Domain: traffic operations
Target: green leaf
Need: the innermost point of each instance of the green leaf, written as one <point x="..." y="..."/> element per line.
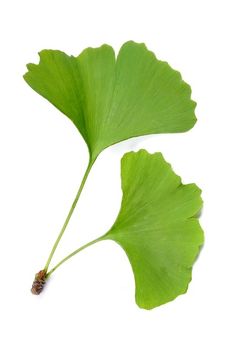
<point x="157" y="226"/>
<point x="109" y="99"/>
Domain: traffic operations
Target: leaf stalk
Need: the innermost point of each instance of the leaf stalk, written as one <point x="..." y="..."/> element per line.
<point x="90" y="164"/>
<point x="73" y="253"/>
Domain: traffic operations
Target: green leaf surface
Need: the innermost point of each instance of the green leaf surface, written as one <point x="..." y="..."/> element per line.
<point x="157" y="226"/>
<point x="109" y="99"/>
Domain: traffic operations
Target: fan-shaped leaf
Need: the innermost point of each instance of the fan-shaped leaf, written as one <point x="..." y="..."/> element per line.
<point x="109" y="99"/>
<point x="157" y="226"/>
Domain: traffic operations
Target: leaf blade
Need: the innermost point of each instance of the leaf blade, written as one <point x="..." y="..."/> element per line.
<point x="110" y="100"/>
<point x="161" y="241"/>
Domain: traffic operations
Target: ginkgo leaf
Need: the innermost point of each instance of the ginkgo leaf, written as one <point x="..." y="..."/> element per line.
<point x="157" y="226"/>
<point x="109" y="99"/>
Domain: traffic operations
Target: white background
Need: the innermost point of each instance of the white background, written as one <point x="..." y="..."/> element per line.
<point x="90" y="300"/>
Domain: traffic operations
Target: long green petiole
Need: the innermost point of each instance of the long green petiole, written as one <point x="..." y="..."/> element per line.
<point x="69" y="215"/>
<point x="72" y="254"/>
<point x="42" y="275"/>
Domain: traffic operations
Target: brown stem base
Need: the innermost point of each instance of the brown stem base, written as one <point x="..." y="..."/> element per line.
<point x="39" y="282"/>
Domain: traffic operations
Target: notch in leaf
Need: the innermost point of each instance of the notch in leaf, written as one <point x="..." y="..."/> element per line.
<point x="109" y="99"/>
